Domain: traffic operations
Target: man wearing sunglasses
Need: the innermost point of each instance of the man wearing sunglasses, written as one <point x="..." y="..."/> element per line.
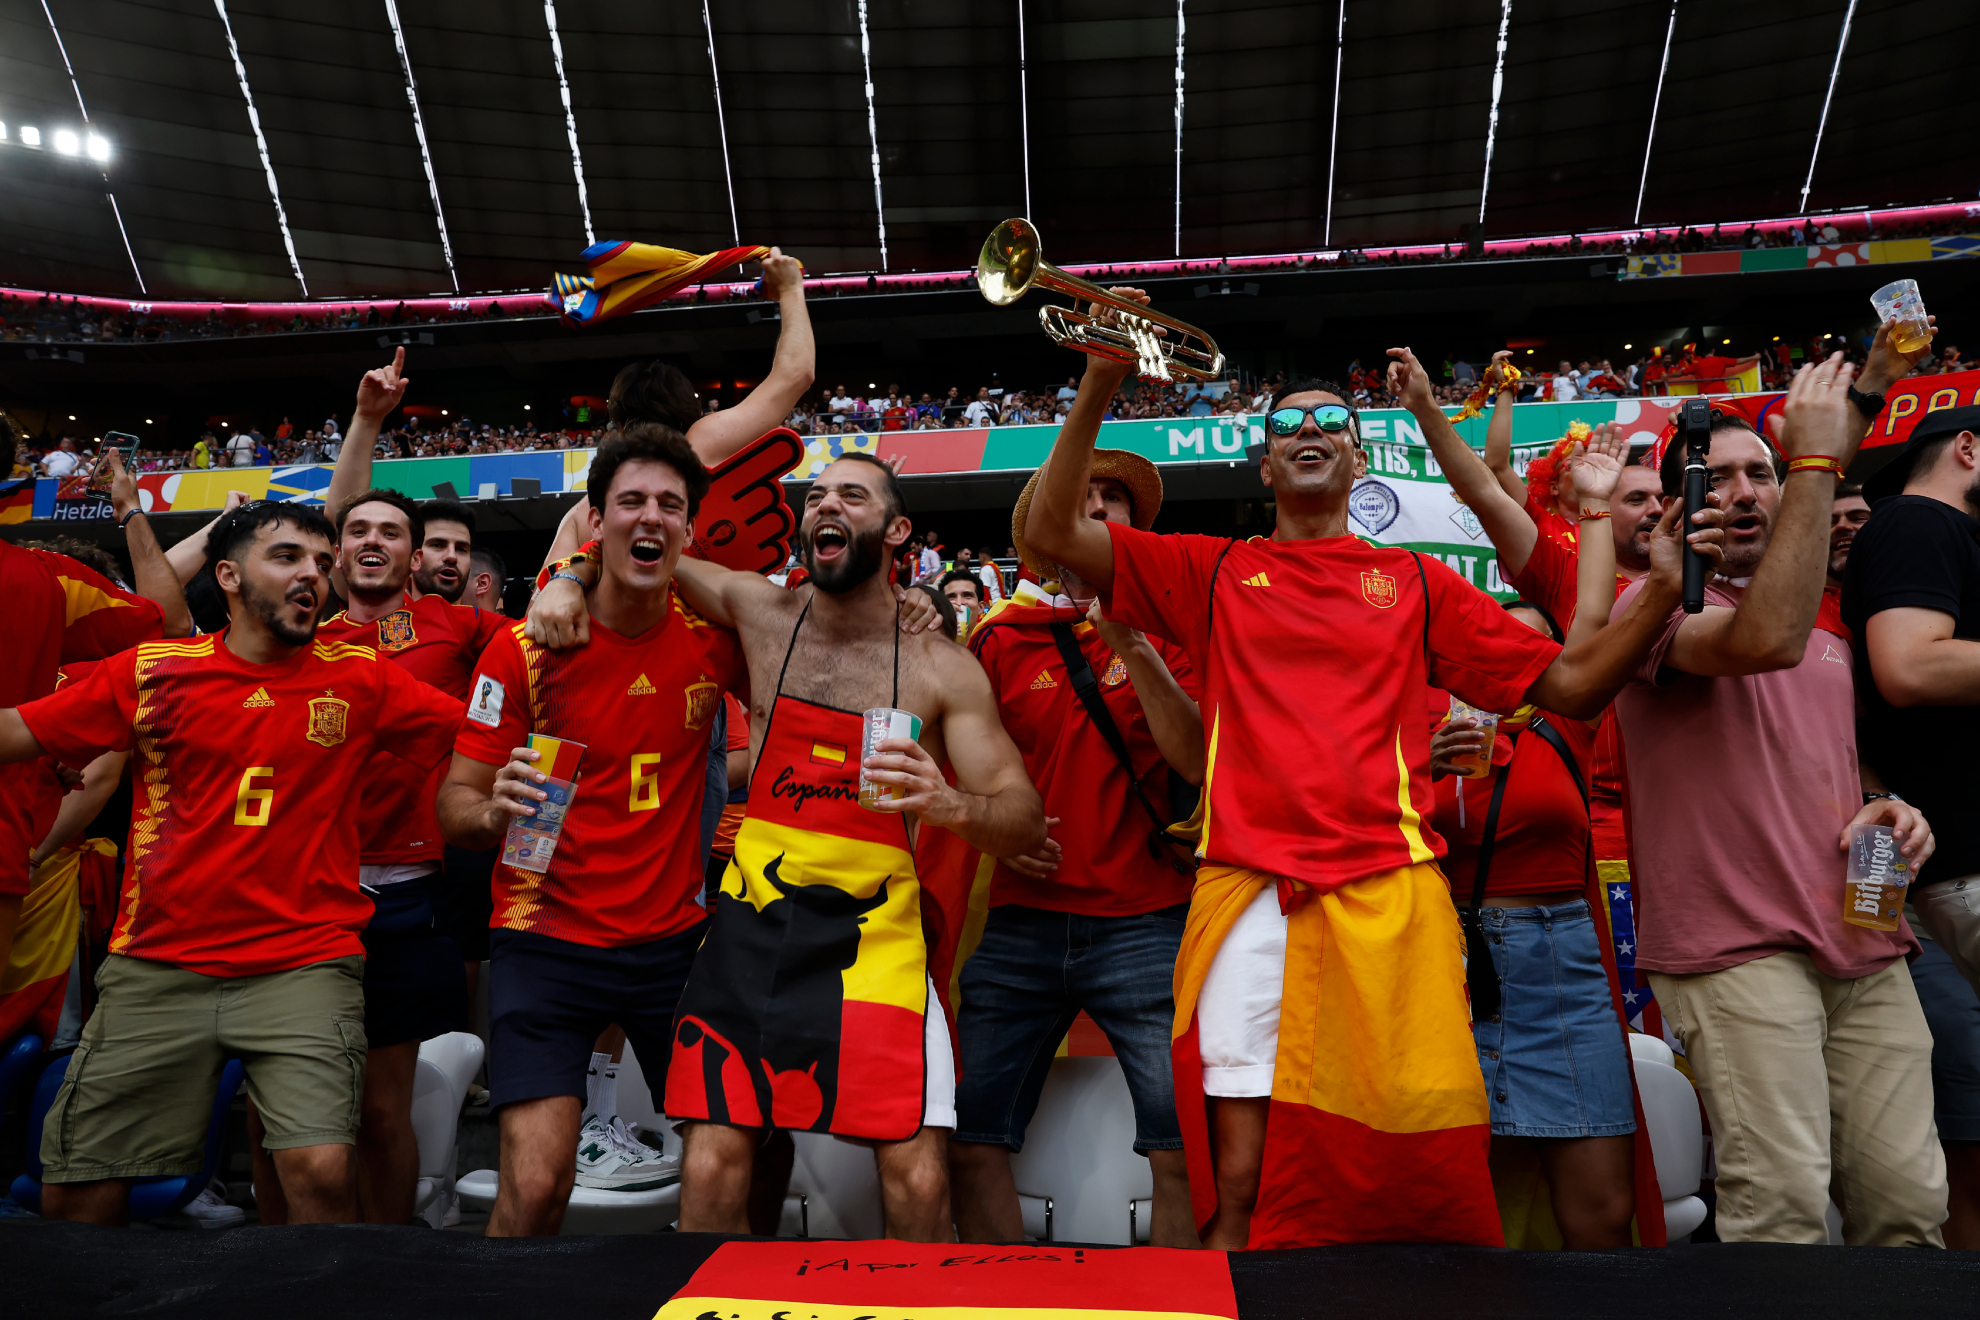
<point x="1319" y="920"/>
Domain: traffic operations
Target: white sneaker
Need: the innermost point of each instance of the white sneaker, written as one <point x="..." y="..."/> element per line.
<point x="609" y="1162"/>
<point x="670" y="1165"/>
<point x="210" y="1209"/>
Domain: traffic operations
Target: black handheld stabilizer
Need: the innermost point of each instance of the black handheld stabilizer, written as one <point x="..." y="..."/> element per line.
<point x="1695" y="434"/>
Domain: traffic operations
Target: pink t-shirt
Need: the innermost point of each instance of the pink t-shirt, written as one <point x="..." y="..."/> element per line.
<point x="1739" y="789"/>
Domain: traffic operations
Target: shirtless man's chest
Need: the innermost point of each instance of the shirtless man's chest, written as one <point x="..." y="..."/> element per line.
<point x="848" y="670"/>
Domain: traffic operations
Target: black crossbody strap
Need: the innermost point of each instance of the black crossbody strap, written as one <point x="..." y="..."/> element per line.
<point x="1490" y="843"/>
<point x="1087" y="689"/>
<point x="1554" y="739"/>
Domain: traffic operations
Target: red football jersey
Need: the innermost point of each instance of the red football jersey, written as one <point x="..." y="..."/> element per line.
<point x="437" y="644"/>
<point x="243" y="852"/>
<point x="627" y="869"/>
<point x="1542" y="845"/>
<point x="1314" y="656"/>
<point x="57" y="611"/>
<point x="1105" y="869"/>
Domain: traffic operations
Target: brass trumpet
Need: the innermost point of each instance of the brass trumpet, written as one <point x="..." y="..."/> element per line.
<point x="1010" y="265"/>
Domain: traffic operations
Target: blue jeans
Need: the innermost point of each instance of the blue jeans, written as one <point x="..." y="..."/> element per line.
<point x="1030" y="976"/>
<point x="1554" y="1058"/>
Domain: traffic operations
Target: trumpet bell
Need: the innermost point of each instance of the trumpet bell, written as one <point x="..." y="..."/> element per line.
<point x="1008" y="263"/>
<point x="1159" y="346"/>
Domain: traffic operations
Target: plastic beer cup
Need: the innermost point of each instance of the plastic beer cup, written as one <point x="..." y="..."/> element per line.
<point x="1899" y="303"/>
<point x="876" y="726"/>
<point x="1480" y="763"/>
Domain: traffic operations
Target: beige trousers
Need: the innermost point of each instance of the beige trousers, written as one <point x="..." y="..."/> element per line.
<point x="1817" y="1089"/>
<point x="1949" y="910"/>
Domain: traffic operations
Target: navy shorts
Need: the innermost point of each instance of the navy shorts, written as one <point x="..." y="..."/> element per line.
<point x="548" y="999"/>
<point x="1029" y="978"/>
<point x="1554" y="1058"/>
<point x="414" y="985"/>
<point x="467" y="900"/>
<point x="1953" y="1014"/>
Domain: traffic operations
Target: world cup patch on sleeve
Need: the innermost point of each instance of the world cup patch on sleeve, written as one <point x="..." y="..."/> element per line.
<point x="485" y="705"/>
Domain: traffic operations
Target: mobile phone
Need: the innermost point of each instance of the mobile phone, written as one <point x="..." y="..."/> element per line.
<point x="126" y="446"/>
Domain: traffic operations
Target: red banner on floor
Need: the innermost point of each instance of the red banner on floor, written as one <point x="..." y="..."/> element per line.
<point x="825" y="1280"/>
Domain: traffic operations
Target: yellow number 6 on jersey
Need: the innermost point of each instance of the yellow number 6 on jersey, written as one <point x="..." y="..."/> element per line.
<point x="645" y="795"/>
<point x="252" y="805"/>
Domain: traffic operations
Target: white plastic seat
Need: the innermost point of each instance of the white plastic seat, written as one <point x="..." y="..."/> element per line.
<point x="1677" y="1143"/>
<point x="839" y="1186"/>
<point x="447" y="1065"/>
<point x="591" y="1209"/>
<point x="1079" y="1153"/>
<point x="1650" y="1048"/>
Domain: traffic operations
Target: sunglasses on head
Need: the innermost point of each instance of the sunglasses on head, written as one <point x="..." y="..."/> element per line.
<point x="1328" y="417"/>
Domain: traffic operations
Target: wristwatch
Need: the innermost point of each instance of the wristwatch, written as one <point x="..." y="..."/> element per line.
<point x="1869" y="797"/>
<point x="1870" y="405"/>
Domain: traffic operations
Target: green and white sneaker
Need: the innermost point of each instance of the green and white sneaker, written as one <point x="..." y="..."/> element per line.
<point x="612" y="1160"/>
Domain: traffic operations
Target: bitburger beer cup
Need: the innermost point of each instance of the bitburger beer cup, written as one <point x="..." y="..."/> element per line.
<point x="876" y="726"/>
<point x="1873" y="893"/>
<point x="1900" y="304"/>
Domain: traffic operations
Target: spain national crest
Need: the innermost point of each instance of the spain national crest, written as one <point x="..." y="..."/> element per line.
<point x="701" y="697"/>
<point x="395" y="631"/>
<point x="329" y="716"/>
<point x="1378" y="589"/>
<point x="1116" y="671"/>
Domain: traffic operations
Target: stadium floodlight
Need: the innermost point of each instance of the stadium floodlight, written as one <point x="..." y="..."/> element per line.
<point x="30" y="136"/>
<point x="68" y="142"/>
<point x="98" y="147"/>
<point x="3" y="132"/>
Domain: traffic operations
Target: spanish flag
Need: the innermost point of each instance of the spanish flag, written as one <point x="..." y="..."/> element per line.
<point x="626" y="276"/>
<point x="943" y="1281"/>
<point x="1378" y="1127"/>
<point x="37" y="973"/>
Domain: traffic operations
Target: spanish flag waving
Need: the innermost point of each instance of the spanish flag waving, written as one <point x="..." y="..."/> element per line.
<point x="944" y="1281"/>
<point x="626" y="276"/>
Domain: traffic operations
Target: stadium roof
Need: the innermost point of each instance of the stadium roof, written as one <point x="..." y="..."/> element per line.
<point x="256" y="149"/>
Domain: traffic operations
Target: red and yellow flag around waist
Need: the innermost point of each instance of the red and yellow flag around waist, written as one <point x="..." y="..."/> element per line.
<point x="1378" y="1127"/>
<point x="626" y="276"/>
<point x="36" y="977"/>
<point x="942" y="1281"/>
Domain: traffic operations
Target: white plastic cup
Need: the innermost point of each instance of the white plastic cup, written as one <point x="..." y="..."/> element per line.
<point x="1900" y="303"/>
<point x="876" y="726"/>
<point x="1487" y="722"/>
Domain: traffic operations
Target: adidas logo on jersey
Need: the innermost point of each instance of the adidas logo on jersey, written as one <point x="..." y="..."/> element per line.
<point x="1259" y="580"/>
<point x="641" y="687"/>
<point x="1043" y="681"/>
<point x="259" y="701"/>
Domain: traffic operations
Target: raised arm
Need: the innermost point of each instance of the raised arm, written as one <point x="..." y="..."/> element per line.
<point x="1505" y="521"/>
<point x="152" y="575"/>
<point x="1595" y="468"/>
<point x="992" y="804"/>
<point x="1175" y="720"/>
<point x="377" y="395"/>
<point x="1586" y="676"/>
<point x="1057" y="527"/>
<point x="720" y="434"/>
<point x="1769" y="628"/>
<point x="188" y="554"/>
<point x="1498" y="432"/>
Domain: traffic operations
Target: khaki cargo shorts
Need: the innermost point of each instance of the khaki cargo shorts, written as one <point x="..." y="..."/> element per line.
<point x="140" y="1089"/>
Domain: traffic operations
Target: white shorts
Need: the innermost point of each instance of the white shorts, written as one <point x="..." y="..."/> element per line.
<point x="940" y="1108"/>
<point x="1237" y="1011"/>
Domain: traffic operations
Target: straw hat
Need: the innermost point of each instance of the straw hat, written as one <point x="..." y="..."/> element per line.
<point x="1144" y="485"/>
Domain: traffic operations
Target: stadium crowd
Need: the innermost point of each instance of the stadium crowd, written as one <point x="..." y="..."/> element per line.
<point x="54" y="318"/>
<point x="1307" y="823"/>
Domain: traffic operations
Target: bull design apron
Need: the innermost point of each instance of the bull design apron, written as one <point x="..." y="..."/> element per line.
<point x="804" y="1008"/>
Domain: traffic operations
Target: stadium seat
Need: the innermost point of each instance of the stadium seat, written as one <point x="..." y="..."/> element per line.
<point x="447" y="1064"/>
<point x="1079" y="1168"/>
<point x="835" y="1190"/>
<point x="17" y="1063"/>
<point x="150" y="1197"/>
<point x="1650" y="1048"/>
<point x="1677" y="1142"/>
